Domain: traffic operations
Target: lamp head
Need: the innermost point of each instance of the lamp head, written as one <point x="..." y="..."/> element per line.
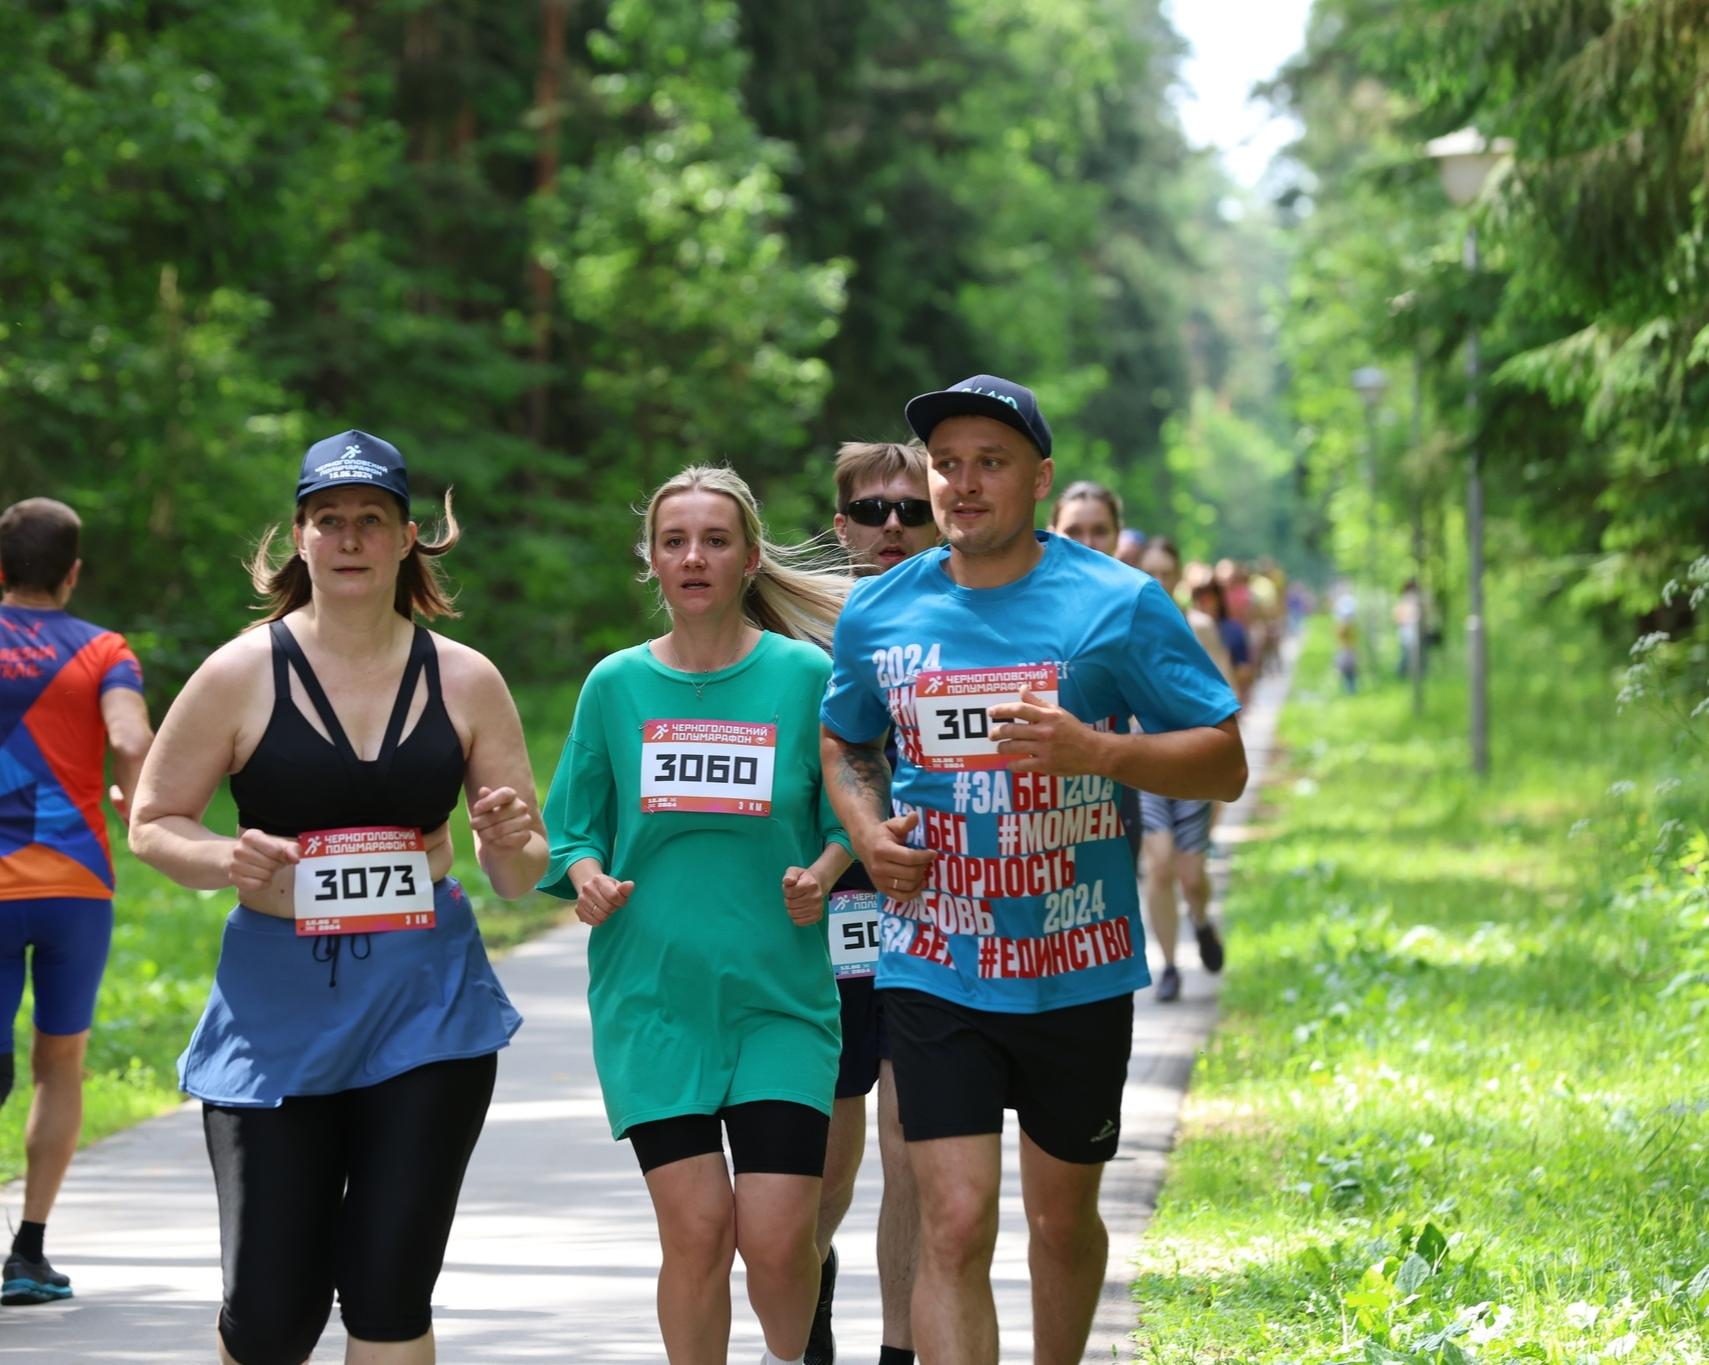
<point x="1371" y="384"/>
<point x="1464" y="161"/>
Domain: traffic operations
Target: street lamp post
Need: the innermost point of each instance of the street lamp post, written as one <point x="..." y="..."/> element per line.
<point x="1370" y="383"/>
<point x="1464" y="161"/>
<point x="1418" y="576"/>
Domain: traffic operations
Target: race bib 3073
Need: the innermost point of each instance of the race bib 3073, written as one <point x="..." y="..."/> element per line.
<point x="362" y="881"/>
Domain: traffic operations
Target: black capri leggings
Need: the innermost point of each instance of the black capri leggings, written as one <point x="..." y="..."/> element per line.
<point x="354" y="1192"/>
<point x="774" y="1137"/>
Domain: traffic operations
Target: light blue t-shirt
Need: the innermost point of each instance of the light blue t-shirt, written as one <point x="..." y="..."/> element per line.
<point x="1031" y="904"/>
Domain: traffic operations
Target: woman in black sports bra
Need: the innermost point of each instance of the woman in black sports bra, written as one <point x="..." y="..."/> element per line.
<point x="347" y="1053"/>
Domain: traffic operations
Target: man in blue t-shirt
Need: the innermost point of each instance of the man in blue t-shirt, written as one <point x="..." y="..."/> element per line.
<point x="1011" y="944"/>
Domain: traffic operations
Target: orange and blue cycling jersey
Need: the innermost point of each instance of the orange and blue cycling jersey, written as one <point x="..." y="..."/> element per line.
<point x="54" y="670"/>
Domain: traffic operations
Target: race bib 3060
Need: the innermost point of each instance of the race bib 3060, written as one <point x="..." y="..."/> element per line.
<point x="954" y="710"/>
<point x="362" y="881"/>
<point x="721" y="766"/>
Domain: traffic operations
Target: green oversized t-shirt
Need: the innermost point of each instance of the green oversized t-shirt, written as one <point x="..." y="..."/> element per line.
<point x="702" y="991"/>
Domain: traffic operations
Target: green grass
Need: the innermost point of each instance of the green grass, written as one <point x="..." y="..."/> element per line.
<point x="1456" y="1108"/>
<point x="166" y="942"/>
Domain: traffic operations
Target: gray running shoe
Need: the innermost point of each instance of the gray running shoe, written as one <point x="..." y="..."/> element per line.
<point x="1168" y="986"/>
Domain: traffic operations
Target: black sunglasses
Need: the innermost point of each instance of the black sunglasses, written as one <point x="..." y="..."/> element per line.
<point x="876" y="511"/>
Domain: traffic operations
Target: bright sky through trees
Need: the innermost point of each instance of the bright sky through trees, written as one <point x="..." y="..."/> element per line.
<point x="1235" y="44"/>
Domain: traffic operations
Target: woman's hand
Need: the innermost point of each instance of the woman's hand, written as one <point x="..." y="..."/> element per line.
<point x="500" y="818"/>
<point x="600" y="897"/>
<point x="803" y="897"/>
<point x="256" y="858"/>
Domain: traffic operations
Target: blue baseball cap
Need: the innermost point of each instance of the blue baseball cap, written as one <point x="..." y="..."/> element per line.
<point x="984" y="395"/>
<point x="354" y="457"/>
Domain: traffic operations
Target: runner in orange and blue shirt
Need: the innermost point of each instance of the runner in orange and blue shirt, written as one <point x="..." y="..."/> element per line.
<point x="67" y="690"/>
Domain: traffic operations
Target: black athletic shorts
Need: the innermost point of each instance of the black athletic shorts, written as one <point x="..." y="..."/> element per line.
<point x="1061" y="1071"/>
<point x="771" y="1137"/>
<point x="866" y="1039"/>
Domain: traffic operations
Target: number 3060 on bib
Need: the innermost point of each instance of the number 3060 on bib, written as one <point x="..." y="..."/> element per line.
<point x="721" y="766"/>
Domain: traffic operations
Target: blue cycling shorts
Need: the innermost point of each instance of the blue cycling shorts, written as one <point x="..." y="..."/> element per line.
<point x="67" y="943"/>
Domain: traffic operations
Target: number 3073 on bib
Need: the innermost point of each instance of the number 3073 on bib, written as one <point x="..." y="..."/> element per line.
<point x="362" y="881"/>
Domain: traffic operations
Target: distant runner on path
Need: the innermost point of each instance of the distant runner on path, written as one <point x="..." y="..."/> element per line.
<point x="688" y="820"/>
<point x="1091" y="514"/>
<point x="884" y="517"/>
<point x="1010" y="934"/>
<point x="68" y="691"/>
<point x="1178" y="833"/>
<point x="347" y="1054"/>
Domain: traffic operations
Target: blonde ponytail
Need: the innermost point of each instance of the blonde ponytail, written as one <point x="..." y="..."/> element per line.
<point x="797" y="590"/>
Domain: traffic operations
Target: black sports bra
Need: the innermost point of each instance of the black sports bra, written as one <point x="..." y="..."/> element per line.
<point x="297" y="781"/>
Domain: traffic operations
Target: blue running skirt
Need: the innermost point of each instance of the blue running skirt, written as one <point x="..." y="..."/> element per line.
<point x="314" y="1016"/>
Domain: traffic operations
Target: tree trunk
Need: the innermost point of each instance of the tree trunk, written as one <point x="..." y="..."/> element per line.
<point x="554" y="17"/>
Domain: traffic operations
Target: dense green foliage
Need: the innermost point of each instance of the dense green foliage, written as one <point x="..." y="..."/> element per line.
<point x="1592" y="301"/>
<point x="555" y="251"/>
<point x="1456" y="1107"/>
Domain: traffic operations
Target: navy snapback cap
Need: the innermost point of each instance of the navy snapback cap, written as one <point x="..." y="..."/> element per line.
<point x="354" y="457"/>
<point x="983" y="395"/>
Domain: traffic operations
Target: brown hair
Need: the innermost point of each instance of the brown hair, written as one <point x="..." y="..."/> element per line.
<point x="1163" y="546"/>
<point x="283" y="580"/>
<point x="859" y="462"/>
<point x="798" y="590"/>
<point x="1211" y="588"/>
<point x="1086" y="488"/>
<point x="38" y="543"/>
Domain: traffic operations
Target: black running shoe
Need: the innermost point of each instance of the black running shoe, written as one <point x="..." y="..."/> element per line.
<point x="1168" y="986"/>
<point x="1210" y="946"/>
<point x="821" y="1345"/>
<point x="32" y="1282"/>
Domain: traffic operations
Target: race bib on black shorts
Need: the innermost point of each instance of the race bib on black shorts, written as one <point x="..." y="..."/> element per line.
<point x="854" y="933"/>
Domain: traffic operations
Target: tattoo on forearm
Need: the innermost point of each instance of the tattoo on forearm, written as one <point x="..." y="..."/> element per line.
<point x="865" y="774"/>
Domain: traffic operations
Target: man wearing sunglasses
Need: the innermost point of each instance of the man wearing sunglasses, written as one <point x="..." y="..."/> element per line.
<point x="884" y="513"/>
<point x="1010" y="936"/>
<point x="884" y="516"/>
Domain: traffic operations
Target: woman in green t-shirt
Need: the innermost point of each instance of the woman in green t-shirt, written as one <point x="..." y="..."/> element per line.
<point x="688" y="820"/>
